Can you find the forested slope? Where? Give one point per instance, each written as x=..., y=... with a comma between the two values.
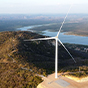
x=36, y=57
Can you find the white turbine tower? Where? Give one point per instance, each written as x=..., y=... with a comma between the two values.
x=56, y=48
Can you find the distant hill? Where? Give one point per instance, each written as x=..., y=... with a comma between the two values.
x=39, y=56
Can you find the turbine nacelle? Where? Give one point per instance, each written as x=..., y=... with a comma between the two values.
x=56, y=48
x=57, y=39
x=56, y=36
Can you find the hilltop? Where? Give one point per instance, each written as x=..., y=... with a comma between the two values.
x=37, y=56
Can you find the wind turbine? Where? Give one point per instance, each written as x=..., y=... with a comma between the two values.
x=56, y=48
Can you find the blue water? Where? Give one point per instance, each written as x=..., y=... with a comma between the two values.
x=28, y=27
x=64, y=38
x=68, y=38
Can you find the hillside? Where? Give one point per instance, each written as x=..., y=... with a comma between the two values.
x=37, y=56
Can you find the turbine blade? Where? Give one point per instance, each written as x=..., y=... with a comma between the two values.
x=63, y=22
x=67, y=50
x=40, y=39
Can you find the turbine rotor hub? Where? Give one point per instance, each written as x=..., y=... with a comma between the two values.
x=56, y=36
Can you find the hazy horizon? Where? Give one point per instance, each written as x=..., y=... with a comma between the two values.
x=43, y=6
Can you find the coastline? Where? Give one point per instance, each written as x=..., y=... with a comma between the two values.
x=71, y=33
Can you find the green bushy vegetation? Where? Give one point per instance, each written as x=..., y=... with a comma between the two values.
x=77, y=71
x=39, y=56
x=11, y=75
x=79, y=74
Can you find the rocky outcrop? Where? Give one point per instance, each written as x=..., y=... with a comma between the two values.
x=77, y=79
x=41, y=86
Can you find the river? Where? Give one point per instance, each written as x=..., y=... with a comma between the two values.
x=64, y=38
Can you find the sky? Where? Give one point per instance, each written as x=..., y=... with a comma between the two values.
x=42, y=6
